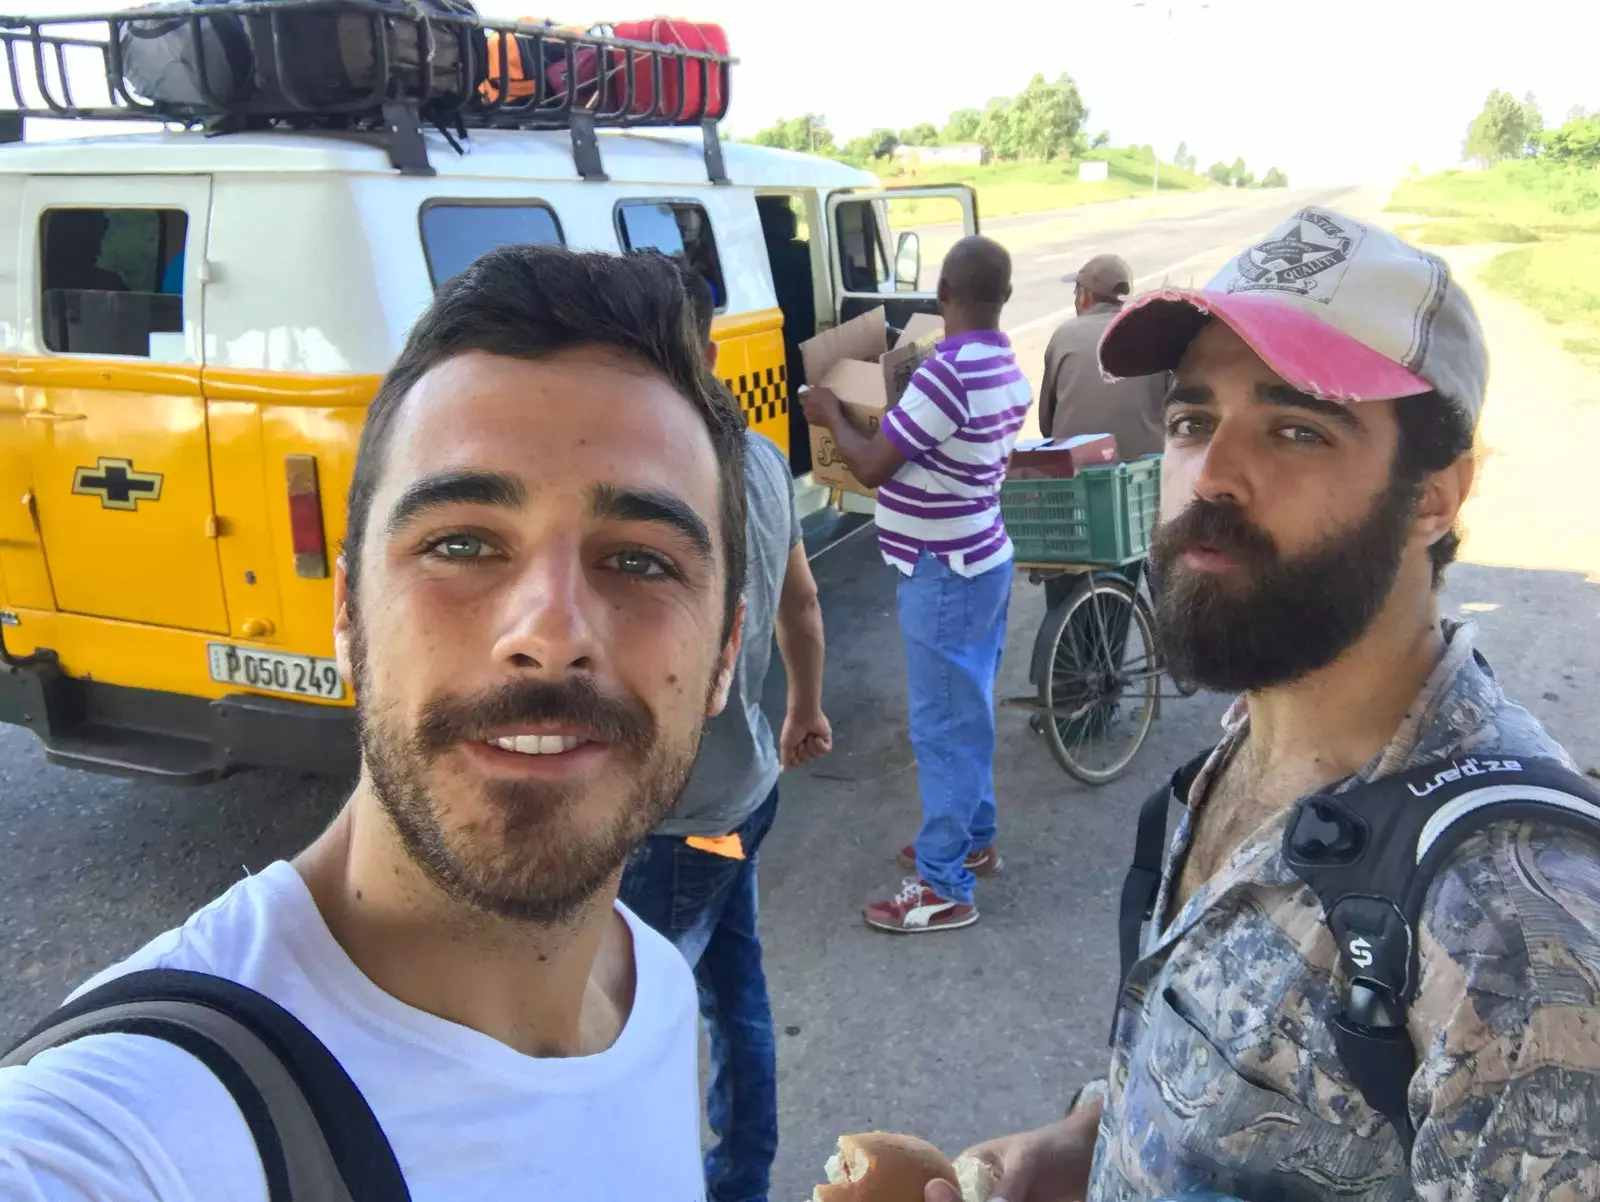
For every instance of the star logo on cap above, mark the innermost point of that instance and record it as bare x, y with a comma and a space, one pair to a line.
1291, 250
1294, 256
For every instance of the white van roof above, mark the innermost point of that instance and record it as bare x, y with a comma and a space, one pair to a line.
657, 156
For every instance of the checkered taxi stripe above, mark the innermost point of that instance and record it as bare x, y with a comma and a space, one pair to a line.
763, 396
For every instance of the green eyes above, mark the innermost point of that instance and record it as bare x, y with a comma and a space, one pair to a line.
635, 562
459, 546
641, 564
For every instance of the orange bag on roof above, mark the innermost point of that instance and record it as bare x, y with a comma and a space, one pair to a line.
524, 66
521, 72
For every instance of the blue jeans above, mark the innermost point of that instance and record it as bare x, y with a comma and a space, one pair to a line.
706, 905
954, 628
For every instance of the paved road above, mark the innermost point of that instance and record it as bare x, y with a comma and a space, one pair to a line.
954, 1036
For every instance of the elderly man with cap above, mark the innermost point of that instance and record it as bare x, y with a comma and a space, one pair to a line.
1076, 398
1319, 445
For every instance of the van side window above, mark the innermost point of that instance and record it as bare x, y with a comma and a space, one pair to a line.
112, 278
860, 249
678, 229
455, 234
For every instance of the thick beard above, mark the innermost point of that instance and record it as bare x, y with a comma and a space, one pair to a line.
532, 863
1294, 616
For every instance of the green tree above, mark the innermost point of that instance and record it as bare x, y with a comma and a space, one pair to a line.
919, 135
1274, 179
1499, 132
1046, 118
997, 129
1220, 173
808, 133
879, 144
962, 126
1578, 141
1183, 159
1532, 123
1238, 175
1103, 138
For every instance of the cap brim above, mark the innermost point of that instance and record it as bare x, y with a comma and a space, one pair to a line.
1152, 333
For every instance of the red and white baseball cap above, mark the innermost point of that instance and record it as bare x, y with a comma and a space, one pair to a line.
1339, 309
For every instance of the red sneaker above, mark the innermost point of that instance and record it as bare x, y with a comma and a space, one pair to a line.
917, 909
985, 861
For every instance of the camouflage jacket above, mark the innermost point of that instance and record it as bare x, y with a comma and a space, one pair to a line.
1224, 1073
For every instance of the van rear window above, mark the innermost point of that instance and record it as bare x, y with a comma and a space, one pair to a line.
455, 234
113, 279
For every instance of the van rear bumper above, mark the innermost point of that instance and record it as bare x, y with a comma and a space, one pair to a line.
170, 736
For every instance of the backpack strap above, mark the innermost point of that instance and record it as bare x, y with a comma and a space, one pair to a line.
316, 1135
1142, 884
1370, 853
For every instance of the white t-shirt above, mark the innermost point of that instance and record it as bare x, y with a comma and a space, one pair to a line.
124, 1117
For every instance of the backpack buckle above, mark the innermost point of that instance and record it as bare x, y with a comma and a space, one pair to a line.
1324, 833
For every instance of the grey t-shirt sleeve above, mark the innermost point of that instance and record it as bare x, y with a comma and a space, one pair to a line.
764, 456
795, 533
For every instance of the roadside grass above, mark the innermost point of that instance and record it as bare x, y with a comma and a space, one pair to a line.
1543, 198
1555, 209
1559, 279
1007, 189
1466, 231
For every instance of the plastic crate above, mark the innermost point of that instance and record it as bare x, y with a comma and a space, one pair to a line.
1101, 515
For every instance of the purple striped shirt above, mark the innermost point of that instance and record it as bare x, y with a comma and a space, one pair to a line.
956, 426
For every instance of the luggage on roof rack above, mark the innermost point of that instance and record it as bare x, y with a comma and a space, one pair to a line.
385, 67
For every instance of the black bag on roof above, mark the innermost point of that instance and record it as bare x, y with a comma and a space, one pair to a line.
293, 58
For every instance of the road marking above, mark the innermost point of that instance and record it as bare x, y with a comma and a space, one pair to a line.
1061, 315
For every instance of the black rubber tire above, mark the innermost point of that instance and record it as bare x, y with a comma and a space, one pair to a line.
1071, 681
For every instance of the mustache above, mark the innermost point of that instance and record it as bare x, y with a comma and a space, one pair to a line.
1219, 526
624, 722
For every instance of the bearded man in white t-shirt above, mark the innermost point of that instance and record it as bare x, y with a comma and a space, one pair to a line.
538, 607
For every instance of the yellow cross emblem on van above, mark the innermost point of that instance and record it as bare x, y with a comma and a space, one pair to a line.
117, 484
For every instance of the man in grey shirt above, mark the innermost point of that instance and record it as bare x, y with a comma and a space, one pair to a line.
1075, 398
694, 878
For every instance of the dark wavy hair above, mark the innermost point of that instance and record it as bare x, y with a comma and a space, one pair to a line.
1434, 433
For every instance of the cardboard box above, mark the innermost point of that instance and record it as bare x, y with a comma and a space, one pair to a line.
1060, 458
854, 361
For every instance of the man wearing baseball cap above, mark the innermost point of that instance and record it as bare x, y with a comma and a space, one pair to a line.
1319, 445
1076, 398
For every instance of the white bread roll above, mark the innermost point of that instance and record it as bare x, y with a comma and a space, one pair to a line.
977, 1180
879, 1167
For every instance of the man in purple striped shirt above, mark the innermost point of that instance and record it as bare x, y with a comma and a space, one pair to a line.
938, 461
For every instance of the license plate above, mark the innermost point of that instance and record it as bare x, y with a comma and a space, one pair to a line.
275, 672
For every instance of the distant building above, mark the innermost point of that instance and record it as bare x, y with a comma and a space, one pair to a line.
965, 154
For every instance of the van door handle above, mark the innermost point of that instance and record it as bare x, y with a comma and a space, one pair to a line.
50, 415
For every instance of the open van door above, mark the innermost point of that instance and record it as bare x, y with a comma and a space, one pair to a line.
888, 245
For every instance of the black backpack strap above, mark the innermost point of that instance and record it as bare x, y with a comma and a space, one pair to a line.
317, 1137
1142, 884
1370, 854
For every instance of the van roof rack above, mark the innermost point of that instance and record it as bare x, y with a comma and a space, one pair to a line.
275, 72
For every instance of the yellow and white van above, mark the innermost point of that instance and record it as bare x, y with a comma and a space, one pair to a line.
191, 327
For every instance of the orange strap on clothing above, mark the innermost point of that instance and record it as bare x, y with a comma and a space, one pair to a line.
723, 845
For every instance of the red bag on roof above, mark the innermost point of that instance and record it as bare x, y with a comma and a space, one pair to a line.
671, 31
680, 98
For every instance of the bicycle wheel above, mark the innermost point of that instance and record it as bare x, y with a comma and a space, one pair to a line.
1098, 695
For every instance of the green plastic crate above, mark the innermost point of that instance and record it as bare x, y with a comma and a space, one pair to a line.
1101, 515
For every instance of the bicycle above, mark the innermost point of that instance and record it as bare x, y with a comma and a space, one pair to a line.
1097, 665
1096, 662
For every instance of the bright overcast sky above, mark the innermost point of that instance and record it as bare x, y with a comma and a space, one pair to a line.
1329, 92
1336, 92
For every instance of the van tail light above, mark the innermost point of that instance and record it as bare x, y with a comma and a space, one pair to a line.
305, 517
